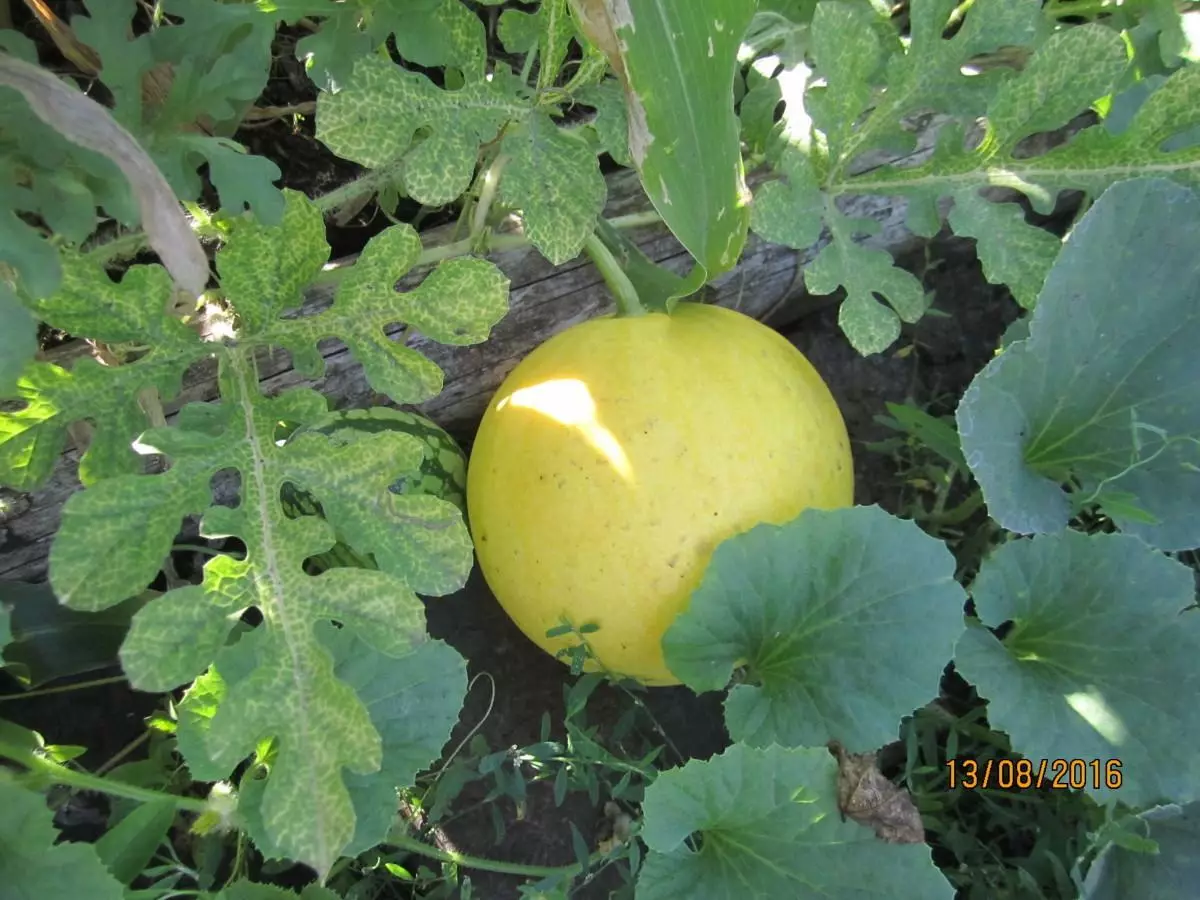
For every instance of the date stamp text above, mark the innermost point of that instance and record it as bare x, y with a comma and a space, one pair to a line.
1057, 774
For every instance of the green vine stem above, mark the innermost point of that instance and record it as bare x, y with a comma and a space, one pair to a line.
484, 864
623, 291
85, 781
78, 686
527, 68
487, 196
371, 181
1088, 9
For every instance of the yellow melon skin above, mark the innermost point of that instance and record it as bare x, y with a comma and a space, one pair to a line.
619, 453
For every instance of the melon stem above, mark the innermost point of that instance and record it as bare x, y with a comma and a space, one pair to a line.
623, 291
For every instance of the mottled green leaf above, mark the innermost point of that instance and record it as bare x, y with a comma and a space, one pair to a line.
815, 612
418, 538
173, 639
790, 211
683, 131
847, 52
1012, 252
373, 119
291, 694
199, 704
1071, 69
769, 826
430, 33
864, 272
1101, 393
37, 868
1099, 663
458, 303
413, 698
438, 33
554, 178
549, 30
265, 270
610, 124
134, 309
1067, 71
1170, 874
115, 535
89, 302
519, 31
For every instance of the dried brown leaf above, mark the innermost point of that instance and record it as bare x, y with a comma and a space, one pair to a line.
85, 122
869, 798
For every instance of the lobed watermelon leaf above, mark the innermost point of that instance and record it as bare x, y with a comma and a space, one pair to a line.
89, 302
457, 304
293, 692
413, 700
548, 31
864, 84
219, 56
552, 176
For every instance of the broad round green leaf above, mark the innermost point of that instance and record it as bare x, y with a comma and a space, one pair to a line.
835, 643
1099, 664
34, 866
414, 701
1103, 390
769, 826
18, 339
48, 640
1170, 874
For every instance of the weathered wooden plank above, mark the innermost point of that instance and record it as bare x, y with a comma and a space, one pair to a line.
544, 300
